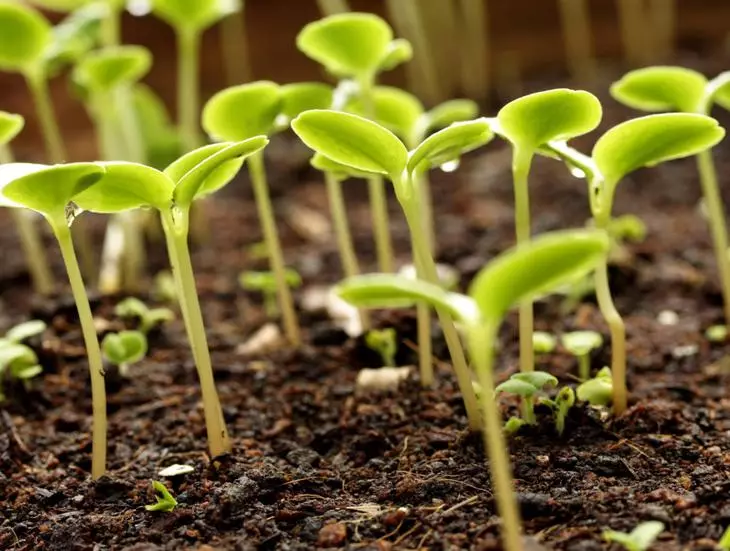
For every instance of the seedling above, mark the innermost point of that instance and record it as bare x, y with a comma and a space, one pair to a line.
124, 348
634, 144
385, 343
561, 405
262, 108
50, 192
543, 343
30, 240
599, 390
24, 331
358, 46
639, 539
149, 318
580, 344
527, 386
17, 363
365, 146
126, 186
716, 333
265, 283
529, 123
165, 503
677, 89
724, 543
525, 271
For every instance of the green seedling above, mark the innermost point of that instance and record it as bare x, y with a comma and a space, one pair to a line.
365, 146
624, 229
564, 400
189, 19
580, 344
385, 343
24, 331
629, 146
529, 123
265, 283
158, 135
165, 503
599, 390
149, 318
716, 333
50, 192
165, 289
262, 108
124, 348
724, 543
640, 538
528, 270
18, 362
678, 89
30, 239
357, 47
543, 343
527, 386
127, 186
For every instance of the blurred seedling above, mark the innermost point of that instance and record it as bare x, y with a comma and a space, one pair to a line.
640, 538
724, 543
149, 318
265, 283
560, 405
165, 502
527, 386
385, 343
124, 349
165, 289
543, 343
19, 362
580, 344
597, 391
716, 333
24, 331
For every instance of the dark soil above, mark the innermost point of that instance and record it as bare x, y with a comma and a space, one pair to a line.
316, 466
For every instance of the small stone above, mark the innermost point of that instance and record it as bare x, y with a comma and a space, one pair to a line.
236, 495
543, 460
303, 457
383, 379
176, 470
332, 535
668, 317
264, 340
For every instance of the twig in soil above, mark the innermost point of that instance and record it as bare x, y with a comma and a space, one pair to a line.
408, 533
464, 503
10, 427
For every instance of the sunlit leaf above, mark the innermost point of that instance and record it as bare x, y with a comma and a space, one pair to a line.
104, 70
25, 330
719, 89
10, 126
661, 89
303, 96
75, 36
399, 51
338, 170
125, 347
242, 112
455, 110
24, 36
194, 14
449, 144
395, 109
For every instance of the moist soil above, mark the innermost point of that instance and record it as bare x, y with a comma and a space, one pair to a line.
316, 464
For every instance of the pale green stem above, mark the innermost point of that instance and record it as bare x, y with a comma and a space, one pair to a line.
332, 7
584, 367
93, 352
188, 44
110, 26
348, 257
576, 32
273, 246
426, 198
38, 85
521, 161
481, 348
528, 410
234, 42
718, 226
423, 319
176, 233
475, 50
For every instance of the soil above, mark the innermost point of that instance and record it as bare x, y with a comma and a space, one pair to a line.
315, 464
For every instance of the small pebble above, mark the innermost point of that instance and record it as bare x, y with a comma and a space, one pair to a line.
668, 317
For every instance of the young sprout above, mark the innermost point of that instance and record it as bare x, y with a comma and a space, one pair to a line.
716, 333
366, 146
528, 270
527, 386
639, 539
543, 343
265, 282
190, 19
599, 390
149, 318
127, 186
124, 348
165, 289
17, 363
30, 240
678, 89
358, 46
385, 343
24, 331
561, 405
50, 192
165, 501
634, 144
529, 123
724, 543
580, 344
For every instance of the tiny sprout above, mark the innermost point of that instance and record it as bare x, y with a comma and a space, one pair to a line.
513, 425
266, 283
628, 227
561, 406
597, 391
149, 318
716, 333
543, 343
124, 348
165, 289
165, 502
384, 342
17, 363
527, 385
724, 543
580, 344
25, 330
639, 539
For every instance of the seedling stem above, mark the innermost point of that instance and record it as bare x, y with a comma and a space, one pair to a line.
38, 86
188, 43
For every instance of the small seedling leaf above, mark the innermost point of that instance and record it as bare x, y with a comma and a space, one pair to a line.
448, 112
353, 141
125, 347
303, 96
103, 70
597, 391
25, 330
395, 109
265, 281
10, 126
449, 144
25, 373
131, 307
398, 52
24, 36
194, 14
517, 387
543, 343
661, 89
75, 35
242, 112
165, 501
646, 533
538, 379
350, 44
580, 343
719, 89
653, 139
338, 170
17, 355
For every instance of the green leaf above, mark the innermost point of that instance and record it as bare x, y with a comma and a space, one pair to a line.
646, 533
125, 347
216, 165
165, 501
719, 89
353, 141
399, 51
560, 114
338, 170
653, 139
538, 379
348, 44
455, 110
24, 36
449, 144
49, 189
395, 109
393, 291
10, 126
517, 387
661, 89
25, 373
242, 112
265, 281
17, 355
25, 330
543, 343
303, 96
597, 391
103, 70
531, 269
61, 5
161, 140
75, 35
580, 343
131, 307
194, 14
126, 186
